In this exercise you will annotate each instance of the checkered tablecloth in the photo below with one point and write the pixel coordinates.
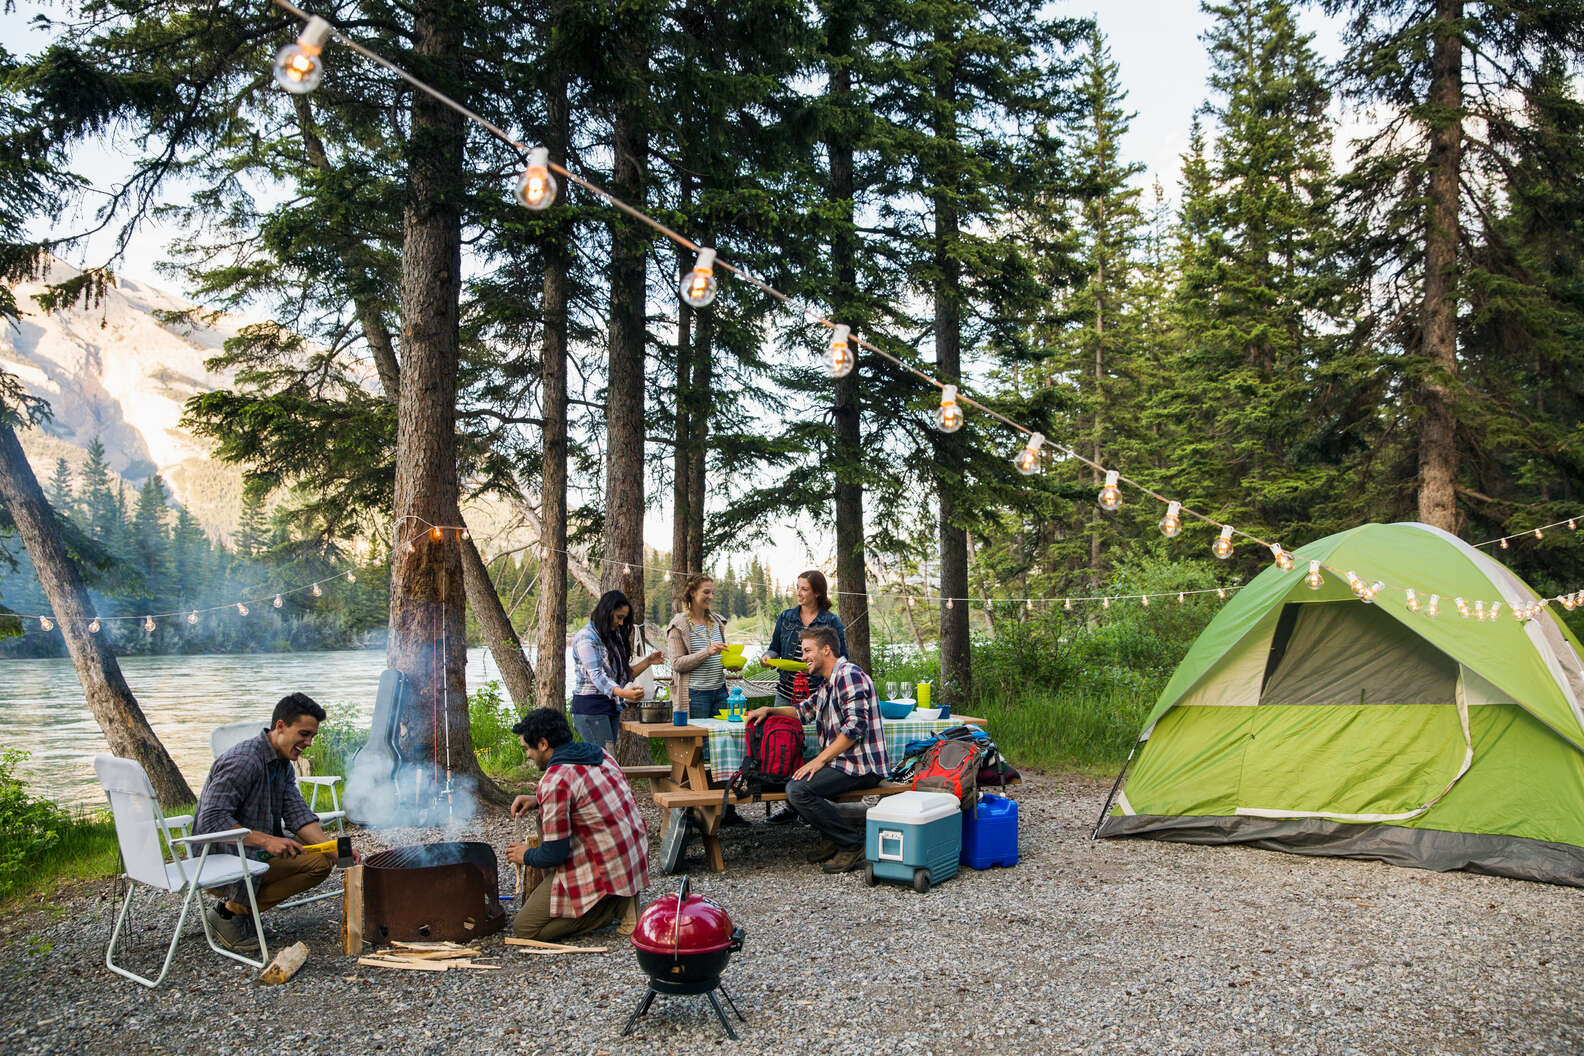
(725, 740)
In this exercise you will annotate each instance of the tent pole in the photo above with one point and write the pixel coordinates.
(1112, 795)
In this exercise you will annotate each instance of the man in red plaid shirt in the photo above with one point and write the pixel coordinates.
(846, 712)
(594, 848)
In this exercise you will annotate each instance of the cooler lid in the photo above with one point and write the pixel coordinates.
(915, 808)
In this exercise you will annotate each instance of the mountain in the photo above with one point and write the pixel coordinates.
(116, 369)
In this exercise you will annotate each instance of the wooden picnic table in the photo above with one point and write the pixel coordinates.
(690, 784)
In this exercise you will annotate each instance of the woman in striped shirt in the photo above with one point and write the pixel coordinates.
(695, 640)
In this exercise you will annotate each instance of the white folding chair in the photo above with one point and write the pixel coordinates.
(144, 833)
(226, 737)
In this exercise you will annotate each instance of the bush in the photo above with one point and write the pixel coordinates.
(499, 750)
(332, 750)
(40, 842)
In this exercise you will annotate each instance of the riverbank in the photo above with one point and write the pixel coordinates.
(1084, 947)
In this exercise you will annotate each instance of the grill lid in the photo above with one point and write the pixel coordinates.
(683, 924)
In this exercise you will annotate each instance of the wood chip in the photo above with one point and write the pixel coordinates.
(434, 955)
(446, 945)
(409, 966)
(558, 953)
(285, 965)
(559, 947)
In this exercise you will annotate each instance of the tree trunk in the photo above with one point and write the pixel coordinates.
(552, 617)
(624, 397)
(499, 635)
(852, 579)
(428, 640)
(1438, 434)
(125, 728)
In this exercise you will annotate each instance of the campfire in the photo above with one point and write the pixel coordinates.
(437, 892)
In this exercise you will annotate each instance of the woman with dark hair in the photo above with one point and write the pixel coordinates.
(695, 640)
(600, 651)
(813, 609)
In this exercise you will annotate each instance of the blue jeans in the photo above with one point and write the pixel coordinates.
(704, 703)
(598, 728)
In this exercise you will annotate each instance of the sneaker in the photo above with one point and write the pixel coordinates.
(784, 816)
(234, 933)
(731, 817)
(822, 851)
(846, 859)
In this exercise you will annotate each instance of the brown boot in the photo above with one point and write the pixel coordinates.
(846, 859)
(822, 851)
(629, 917)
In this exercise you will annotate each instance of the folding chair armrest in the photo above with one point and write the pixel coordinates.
(179, 821)
(213, 837)
(316, 779)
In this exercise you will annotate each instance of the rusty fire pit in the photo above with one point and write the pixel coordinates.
(431, 892)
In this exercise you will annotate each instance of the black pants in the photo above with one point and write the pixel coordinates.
(812, 800)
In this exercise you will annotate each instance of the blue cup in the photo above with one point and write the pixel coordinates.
(679, 717)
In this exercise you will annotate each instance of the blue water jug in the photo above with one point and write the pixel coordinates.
(736, 704)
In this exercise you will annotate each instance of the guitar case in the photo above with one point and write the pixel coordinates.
(372, 788)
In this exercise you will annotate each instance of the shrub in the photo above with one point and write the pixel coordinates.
(29, 827)
(499, 750)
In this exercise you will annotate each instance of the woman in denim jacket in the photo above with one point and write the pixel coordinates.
(601, 651)
(812, 610)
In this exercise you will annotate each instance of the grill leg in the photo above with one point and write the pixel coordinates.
(643, 1006)
(732, 1003)
(730, 1033)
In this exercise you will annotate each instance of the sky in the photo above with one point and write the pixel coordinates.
(1162, 66)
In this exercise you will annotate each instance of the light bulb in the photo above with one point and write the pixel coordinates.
(1181, 599)
(1222, 547)
(1028, 458)
(277, 602)
(1028, 603)
(1355, 584)
(1495, 610)
(839, 359)
(318, 591)
(949, 416)
(1067, 604)
(1110, 496)
(698, 289)
(192, 617)
(1479, 610)
(148, 624)
(1462, 607)
(1567, 602)
(1504, 544)
(1144, 601)
(1171, 524)
(1372, 590)
(1433, 609)
(46, 624)
(1284, 560)
(949, 603)
(298, 66)
(1539, 534)
(242, 610)
(536, 187)
(1572, 525)
(93, 628)
(1522, 614)
(1314, 578)
(353, 579)
(1413, 601)
(1221, 593)
(1105, 603)
(436, 534)
(465, 534)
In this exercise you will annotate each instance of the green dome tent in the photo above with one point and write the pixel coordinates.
(1312, 722)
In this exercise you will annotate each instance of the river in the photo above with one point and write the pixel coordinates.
(42, 710)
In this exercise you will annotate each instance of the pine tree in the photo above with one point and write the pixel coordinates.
(249, 539)
(150, 540)
(60, 488)
(96, 501)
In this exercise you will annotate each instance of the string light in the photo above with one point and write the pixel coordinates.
(1504, 544)
(318, 591)
(298, 66)
(1067, 605)
(465, 534)
(1433, 609)
(1539, 534)
(699, 288)
(949, 603)
(1221, 593)
(1413, 601)
(536, 187)
(839, 358)
(1222, 547)
(1572, 525)
(1567, 602)
(1284, 560)
(46, 624)
(1479, 610)
(1371, 591)
(148, 624)
(1495, 609)
(1355, 584)
(277, 602)
(1314, 578)
(1180, 599)
(1029, 604)
(436, 534)
(192, 617)
(93, 627)
(410, 547)
(1105, 603)
(1144, 601)
(1110, 495)
(949, 416)
(1028, 458)
(1171, 524)
(242, 610)
(1462, 607)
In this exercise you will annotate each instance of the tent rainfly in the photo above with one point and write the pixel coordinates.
(1311, 722)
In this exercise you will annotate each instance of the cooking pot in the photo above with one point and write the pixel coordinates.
(655, 711)
(683, 942)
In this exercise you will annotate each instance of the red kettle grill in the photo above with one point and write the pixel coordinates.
(683, 944)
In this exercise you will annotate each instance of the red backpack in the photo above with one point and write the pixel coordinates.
(951, 766)
(773, 753)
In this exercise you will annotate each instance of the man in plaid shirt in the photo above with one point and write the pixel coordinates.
(594, 848)
(846, 713)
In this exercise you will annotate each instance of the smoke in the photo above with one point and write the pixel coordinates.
(381, 794)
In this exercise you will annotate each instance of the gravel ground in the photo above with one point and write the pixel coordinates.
(1091, 947)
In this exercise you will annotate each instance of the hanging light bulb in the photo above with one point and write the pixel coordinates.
(148, 624)
(46, 624)
(1105, 603)
(1028, 458)
(353, 579)
(1504, 544)
(699, 288)
(1221, 593)
(1495, 610)
(1284, 560)
(1462, 607)
(1028, 603)
(949, 603)
(1144, 601)
(277, 602)
(1479, 610)
(1572, 525)
(948, 416)
(318, 591)
(1067, 604)
(1413, 601)
(410, 547)
(1372, 590)
(1567, 602)
(1314, 578)
(1171, 524)
(298, 66)
(192, 617)
(1355, 584)
(465, 534)
(1539, 534)
(1222, 547)
(1433, 609)
(839, 359)
(1522, 614)
(436, 534)
(1110, 495)
(536, 187)
(93, 627)
(1181, 599)
(242, 610)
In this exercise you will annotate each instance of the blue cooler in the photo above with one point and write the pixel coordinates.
(913, 838)
(989, 834)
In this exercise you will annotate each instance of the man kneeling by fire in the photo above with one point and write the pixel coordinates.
(594, 846)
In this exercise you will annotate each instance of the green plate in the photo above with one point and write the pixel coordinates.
(785, 665)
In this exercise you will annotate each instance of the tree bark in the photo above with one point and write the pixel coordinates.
(1438, 433)
(552, 617)
(852, 578)
(499, 634)
(428, 640)
(125, 728)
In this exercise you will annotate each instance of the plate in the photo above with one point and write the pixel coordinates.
(784, 665)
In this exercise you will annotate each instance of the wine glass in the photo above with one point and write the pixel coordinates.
(907, 691)
(891, 691)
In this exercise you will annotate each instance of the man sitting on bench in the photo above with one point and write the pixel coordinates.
(846, 712)
(595, 853)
